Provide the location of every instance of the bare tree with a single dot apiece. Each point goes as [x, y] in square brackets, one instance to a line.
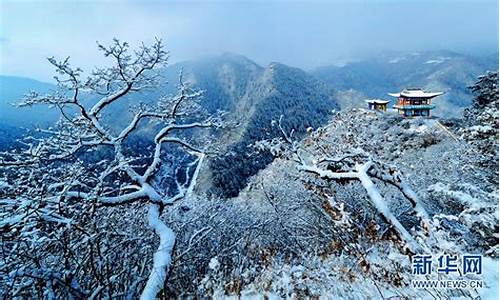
[49, 177]
[356, 164]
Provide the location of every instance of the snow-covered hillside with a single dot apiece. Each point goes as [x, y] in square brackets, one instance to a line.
[293, 198]
[298, 230]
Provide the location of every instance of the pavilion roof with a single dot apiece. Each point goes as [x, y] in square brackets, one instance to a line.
[416, 93]
[377, 101]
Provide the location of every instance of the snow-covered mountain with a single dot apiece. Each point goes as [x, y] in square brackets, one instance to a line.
[253, 96]
[314, 204]
[224, 79]
[227, 78]
[445, 71]
[343, 211]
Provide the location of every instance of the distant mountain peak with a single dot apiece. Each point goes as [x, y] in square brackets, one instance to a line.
[441, 70]
[226, 58]
[236, 57]
[9, 79]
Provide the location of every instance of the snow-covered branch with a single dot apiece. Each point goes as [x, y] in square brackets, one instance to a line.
[360, 173]
[66, 174]
[356, 164]
[162, 257]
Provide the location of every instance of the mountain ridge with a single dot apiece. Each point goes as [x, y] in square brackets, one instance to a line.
[442, 70]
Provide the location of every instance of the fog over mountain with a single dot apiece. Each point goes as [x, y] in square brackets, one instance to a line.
[226, 80]
[254, 95]
[302, 34]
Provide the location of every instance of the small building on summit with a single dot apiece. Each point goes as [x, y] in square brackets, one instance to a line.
[415, 102]
[377, 104]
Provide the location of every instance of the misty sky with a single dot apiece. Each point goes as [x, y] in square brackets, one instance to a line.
[303, 34]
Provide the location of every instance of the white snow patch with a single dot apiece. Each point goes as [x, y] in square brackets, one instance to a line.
[418, 129]
[396, 60]
[490, 271]
[482, 128]
[214, 264]
[461, 197]
[4, 185]
[438, 60]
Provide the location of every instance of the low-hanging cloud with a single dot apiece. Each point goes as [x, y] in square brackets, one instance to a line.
[304, 34]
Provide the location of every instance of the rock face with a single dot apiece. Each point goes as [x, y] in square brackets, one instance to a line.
[445, 71]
